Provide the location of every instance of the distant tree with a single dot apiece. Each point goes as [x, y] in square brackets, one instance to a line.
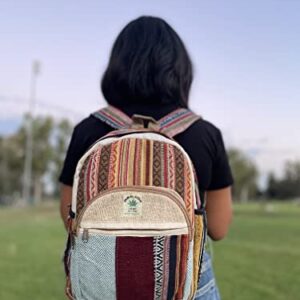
[245, 175]
[272, 186]
[288, 186]
[42, 151]
[10, 167]
[61, 138]
[50, 140]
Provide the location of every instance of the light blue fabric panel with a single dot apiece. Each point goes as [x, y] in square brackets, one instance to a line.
[74, 274]
[189, 275]
[92, 269]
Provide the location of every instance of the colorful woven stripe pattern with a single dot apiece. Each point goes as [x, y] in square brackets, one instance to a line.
[113, 117]
[132, 161]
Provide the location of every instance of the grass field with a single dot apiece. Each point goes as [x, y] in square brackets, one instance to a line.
[260, 259]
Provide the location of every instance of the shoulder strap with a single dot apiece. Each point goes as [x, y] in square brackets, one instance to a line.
[113, 117]
[172, 124]
[177, 121]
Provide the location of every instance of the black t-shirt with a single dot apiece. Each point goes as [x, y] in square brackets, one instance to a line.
[202, 141]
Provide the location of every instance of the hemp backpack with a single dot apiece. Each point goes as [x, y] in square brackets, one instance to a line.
[137, 225]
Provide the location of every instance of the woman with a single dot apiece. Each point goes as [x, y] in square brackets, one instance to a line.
[150, 73]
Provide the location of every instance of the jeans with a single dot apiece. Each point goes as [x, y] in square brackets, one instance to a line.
[207, 288]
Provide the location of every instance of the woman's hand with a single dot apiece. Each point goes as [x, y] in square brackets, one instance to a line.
[65, 202]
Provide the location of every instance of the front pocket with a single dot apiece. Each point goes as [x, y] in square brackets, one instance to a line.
[128, 267]
[129, 230]
[135, 211]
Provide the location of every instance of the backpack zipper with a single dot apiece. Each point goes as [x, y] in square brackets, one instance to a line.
[124, 232]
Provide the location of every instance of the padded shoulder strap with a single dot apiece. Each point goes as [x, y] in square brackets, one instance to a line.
[113, 117]
[177, 121]
[172, 124]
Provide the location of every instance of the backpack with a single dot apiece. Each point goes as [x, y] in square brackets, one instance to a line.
[137, 226]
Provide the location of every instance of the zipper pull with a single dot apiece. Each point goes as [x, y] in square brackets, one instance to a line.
[85, 235]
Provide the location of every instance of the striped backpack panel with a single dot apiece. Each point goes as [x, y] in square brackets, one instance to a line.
[138, 227]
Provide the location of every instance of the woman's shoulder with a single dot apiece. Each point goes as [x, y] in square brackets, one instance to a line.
[90, 124]
[202, 136]
[88, 130]
[204, 128]
[87, 122]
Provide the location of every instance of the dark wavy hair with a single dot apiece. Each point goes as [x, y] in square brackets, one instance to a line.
[148, 64]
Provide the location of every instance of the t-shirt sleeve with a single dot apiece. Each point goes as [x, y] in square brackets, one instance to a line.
[221, 172]
[75, 150]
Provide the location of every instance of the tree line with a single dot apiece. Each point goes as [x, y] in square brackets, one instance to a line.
[51, 139]
[246, 176]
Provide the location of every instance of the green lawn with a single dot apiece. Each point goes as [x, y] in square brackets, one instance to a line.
[260, 259]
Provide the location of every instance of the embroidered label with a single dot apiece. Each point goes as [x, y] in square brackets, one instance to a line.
[132, 206]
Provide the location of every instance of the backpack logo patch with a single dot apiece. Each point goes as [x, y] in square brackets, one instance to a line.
[132, 206]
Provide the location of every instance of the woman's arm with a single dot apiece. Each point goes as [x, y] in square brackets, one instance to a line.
[65, 202]
[219, 212]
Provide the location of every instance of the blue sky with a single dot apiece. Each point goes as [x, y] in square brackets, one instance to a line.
[245, 55]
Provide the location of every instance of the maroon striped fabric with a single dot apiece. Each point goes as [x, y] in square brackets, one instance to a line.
[134, 254]
[184, 248]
